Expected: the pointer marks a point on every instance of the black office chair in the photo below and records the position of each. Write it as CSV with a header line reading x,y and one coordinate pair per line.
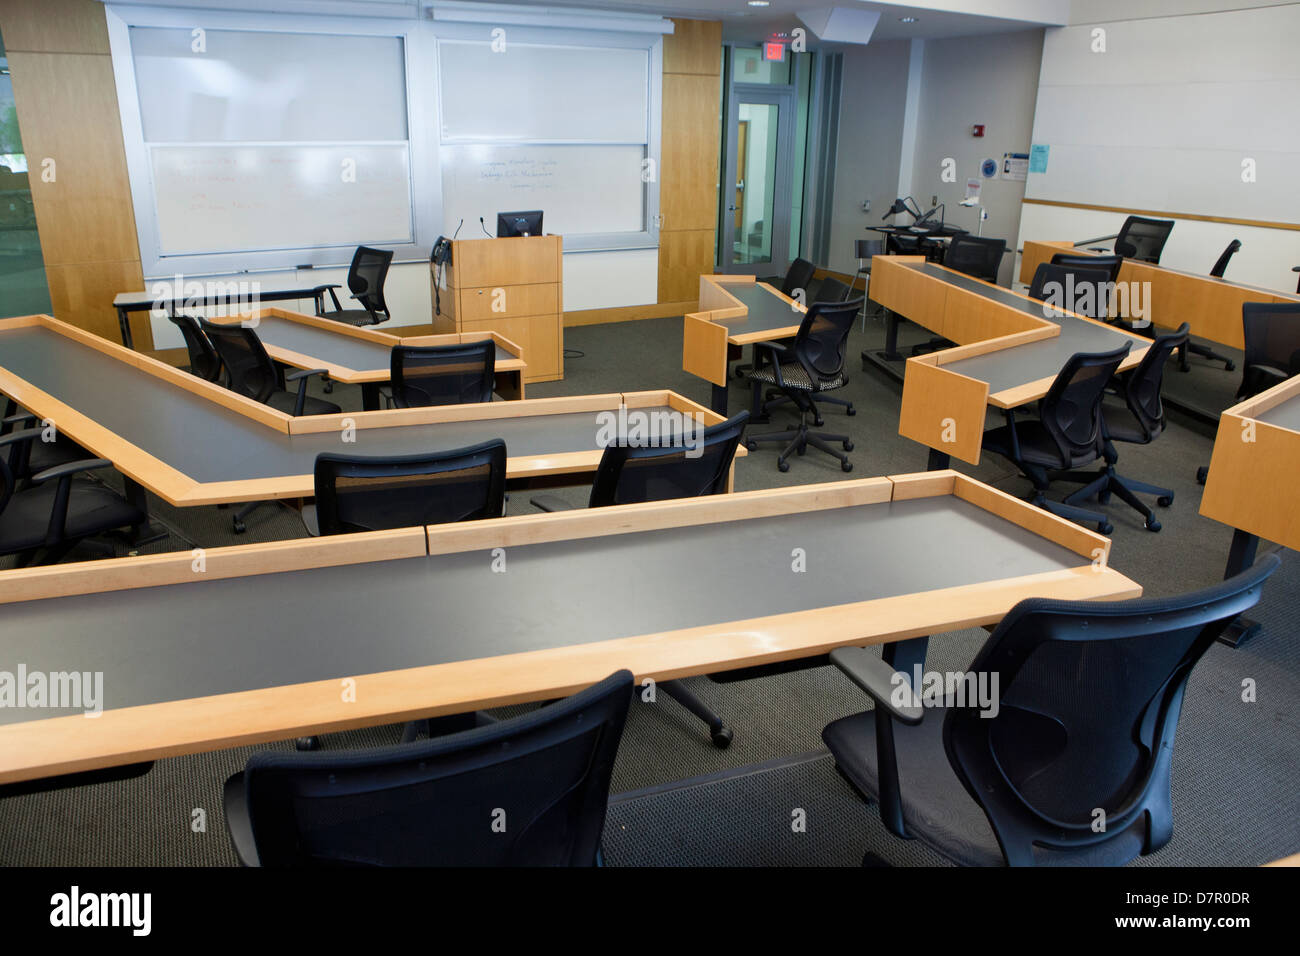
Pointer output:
x,y
629,475
528,791
976,256
1067,434
1110,264
814,365
832,290
795,284
1197,348
357,493
366,278
1142,238
204,360
443,374
1140,422
1272,355
1088,699
253,373
27,458
1072,288
57,510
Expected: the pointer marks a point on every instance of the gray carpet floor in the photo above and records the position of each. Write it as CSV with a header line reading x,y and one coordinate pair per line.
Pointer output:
x,y
678,800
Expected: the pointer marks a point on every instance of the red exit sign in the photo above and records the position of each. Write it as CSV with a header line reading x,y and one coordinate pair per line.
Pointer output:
x,y
774,52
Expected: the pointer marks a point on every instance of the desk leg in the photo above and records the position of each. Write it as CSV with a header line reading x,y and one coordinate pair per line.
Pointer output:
x,y
718,400
939,460
147,531
903,656
124,322
1241,555
370,396
756,416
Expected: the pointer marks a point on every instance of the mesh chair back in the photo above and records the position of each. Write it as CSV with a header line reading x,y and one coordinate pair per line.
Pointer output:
x,y
7,462
444,374
1073,288
975,256
251,370
366,277
832,290
544,775
356,493
823,338
204,360
627,475
1143,239
1272,334
1141,388
798,276
1089,694
1111,264
1221,266
1071,410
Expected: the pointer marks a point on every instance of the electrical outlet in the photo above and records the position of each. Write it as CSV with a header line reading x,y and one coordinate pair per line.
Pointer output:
x,y
934,201
866,205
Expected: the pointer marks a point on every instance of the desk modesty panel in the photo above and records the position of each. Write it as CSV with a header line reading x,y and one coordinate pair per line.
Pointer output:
x,y
192,442
477,614
1252,479
1211,306
1010,350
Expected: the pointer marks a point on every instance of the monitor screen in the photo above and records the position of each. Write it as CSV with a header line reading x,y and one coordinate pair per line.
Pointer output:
x,y
527,223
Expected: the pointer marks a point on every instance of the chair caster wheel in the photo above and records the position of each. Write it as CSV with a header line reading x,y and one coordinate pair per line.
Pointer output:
x,y
846,466
721,737
1105,527
751,445
328,387
239,526
1164,501
819,422
850,410
782,465
307,743
1230,366
1201,474
848,445
1153,525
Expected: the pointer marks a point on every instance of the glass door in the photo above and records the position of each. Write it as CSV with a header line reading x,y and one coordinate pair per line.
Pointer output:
x,y
755,223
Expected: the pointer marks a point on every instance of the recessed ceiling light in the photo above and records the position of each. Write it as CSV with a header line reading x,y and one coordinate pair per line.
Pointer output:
x,y
907,19
759,3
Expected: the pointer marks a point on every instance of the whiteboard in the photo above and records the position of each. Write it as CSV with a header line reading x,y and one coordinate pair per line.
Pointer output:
x,y
553,94
580,189
216,198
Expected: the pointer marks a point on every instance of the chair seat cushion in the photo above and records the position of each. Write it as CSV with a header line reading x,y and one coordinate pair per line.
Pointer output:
x,y
92,509
937,809
355,317
1037,447
795,376
284,402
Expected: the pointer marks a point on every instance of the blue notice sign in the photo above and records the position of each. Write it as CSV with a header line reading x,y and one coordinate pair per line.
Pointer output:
x,y
1038,157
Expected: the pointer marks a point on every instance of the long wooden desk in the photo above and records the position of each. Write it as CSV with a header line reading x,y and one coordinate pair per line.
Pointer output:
x,y
1252,479
735,311
361,356
195,443
1212,307
240,292
665,589
1010,349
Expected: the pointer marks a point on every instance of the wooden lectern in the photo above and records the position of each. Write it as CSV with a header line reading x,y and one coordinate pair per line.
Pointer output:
x,y
511,286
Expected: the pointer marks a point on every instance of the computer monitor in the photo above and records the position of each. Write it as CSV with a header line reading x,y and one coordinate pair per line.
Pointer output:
x,y
528,223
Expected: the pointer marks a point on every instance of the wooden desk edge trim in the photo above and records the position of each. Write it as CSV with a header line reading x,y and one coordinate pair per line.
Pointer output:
x,y
438,414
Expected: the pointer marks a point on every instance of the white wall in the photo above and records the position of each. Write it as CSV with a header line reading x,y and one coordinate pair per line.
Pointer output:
x,y
1161,122
966,81
872,98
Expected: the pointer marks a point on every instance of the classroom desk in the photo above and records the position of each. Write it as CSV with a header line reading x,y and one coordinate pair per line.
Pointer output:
x,y
735,311
665,589
1212,307
1010,349
240,292
195,443
361,356
1252,479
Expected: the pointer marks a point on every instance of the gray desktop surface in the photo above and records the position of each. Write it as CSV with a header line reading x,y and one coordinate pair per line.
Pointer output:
x,y
1022,364
248,293
333,348
970,284
222,636
766,311
209,442
1286,415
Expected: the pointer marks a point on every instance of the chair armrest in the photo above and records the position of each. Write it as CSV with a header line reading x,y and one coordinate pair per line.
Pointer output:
x,y
305,373
26,434
301,377
774,352
71,468
20,417
879,679
551,503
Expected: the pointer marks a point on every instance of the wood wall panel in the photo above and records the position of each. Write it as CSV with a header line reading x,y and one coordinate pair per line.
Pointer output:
x,y
66,101
683,257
